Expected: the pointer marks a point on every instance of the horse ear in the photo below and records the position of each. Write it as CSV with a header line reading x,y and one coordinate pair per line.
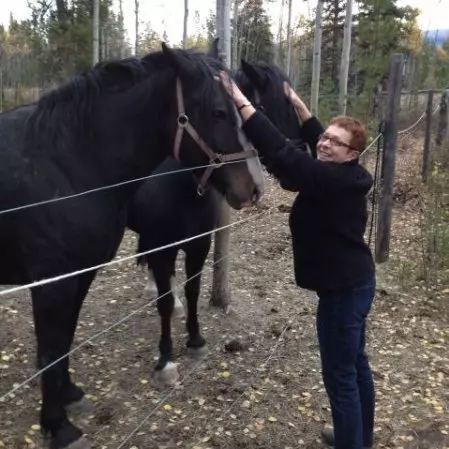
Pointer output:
x,y
181,65
213,50
117,76
254,74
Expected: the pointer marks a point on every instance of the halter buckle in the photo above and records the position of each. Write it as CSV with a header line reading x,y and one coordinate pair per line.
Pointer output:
x,y
216,160
200,190
182,120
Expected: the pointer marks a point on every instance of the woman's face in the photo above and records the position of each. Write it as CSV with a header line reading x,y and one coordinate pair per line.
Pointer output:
x,y
334,145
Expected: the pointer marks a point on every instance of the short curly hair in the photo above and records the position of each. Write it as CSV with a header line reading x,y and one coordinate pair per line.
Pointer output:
x,y
355,128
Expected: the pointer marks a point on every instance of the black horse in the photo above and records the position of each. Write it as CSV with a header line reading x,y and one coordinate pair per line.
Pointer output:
x,y
116,122
168,209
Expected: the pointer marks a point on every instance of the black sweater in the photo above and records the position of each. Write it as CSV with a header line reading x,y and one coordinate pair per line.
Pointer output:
x,y
329,215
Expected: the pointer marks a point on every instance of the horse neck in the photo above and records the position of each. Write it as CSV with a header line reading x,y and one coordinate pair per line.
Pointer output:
x,y
119,137
134,133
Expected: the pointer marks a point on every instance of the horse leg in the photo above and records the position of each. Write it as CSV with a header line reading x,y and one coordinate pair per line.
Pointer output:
x,y
151,289
55,309
73,396
196,255
166,372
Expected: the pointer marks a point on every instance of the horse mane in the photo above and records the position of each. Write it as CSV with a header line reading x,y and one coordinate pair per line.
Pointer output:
x,y
68,108
204,69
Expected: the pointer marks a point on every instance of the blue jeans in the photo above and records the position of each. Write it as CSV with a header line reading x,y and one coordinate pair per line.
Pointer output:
x,y
346,372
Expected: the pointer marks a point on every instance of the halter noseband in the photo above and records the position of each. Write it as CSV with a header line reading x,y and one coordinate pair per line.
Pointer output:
x,y
216,160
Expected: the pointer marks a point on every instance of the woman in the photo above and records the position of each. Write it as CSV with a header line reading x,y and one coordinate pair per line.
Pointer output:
x,y
327,222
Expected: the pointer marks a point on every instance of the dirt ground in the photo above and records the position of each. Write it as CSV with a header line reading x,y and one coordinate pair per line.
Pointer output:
x,y
269,393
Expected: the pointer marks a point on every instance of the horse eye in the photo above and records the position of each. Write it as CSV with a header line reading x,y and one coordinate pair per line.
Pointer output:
x,y
220,114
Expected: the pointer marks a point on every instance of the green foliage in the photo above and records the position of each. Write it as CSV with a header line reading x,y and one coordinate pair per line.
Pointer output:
x,y
382,28
254,32
56,42
332,39
149,41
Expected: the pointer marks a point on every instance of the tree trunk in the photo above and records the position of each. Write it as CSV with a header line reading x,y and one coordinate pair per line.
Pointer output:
x,y
288,59
122,31
136,44
316,68
186,18
278,52
221,296
345,58
96,33
235,37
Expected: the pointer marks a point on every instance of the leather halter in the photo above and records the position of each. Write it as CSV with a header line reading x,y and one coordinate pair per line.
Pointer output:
x,y
216,160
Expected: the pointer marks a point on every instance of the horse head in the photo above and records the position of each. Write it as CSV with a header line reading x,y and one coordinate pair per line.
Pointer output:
x,y
206,129
263,83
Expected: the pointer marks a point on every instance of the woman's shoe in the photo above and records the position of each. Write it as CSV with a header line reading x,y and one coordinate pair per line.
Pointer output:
x,y
328,437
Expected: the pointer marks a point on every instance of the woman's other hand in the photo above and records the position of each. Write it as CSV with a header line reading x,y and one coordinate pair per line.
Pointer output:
x,y
244,106
297,103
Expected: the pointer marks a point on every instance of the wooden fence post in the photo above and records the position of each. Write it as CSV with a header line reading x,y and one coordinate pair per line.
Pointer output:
x,y
443,126
385,204
221,295
426,152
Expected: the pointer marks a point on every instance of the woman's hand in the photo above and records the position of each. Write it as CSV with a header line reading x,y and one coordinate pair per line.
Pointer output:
x,y
233,90
244,106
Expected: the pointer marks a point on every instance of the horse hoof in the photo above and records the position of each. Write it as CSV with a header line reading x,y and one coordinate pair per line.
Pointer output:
x,y
198,353
81,407
69,437
81,443
166,376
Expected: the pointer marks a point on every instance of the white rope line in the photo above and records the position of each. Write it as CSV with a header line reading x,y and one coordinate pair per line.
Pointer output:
x,y
99,334
110,186
123,259
399,132
161,401
371,144
403,131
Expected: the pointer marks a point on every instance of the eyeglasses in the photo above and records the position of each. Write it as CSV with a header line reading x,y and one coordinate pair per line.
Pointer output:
x,y
335,141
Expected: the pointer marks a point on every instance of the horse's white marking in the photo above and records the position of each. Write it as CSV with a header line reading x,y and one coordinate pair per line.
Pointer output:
x,y
151,287
254,165
178,308
168,375
80,443
198,353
